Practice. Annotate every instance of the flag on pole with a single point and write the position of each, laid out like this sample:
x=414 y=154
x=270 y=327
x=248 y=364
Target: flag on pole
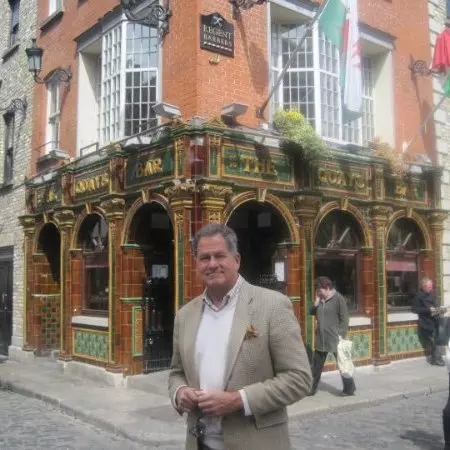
x=441 y=60
x=446 y=86
x=339 y=23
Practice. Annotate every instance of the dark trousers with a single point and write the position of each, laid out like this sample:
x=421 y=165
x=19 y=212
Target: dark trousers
x=201 y=445
x=446 y=420
x=427 y=339
x=317 y=367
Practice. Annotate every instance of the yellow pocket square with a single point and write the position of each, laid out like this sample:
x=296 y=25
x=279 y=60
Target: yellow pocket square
x=251 y=332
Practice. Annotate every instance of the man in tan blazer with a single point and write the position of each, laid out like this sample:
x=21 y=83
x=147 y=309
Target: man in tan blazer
x=238 y=356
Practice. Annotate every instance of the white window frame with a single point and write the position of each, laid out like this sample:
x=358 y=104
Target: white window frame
x=367 y=121
x=53 y=115
x=111 y=111
x=54 y=6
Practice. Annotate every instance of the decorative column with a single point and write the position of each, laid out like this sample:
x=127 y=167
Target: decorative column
x=306 y=208
x=213 y=198
x=114 y=211
x=436 y=220
x=181 y=202
x=380 y=215
x=66 y=221
x=29 y=227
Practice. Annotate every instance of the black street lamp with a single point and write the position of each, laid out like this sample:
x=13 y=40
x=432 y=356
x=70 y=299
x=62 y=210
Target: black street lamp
x=244 y=4
x=149 y=14
x=34 y=55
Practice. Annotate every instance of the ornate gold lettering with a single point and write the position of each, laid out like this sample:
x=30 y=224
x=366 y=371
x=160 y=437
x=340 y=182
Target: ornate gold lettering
x=92 y=184
x=338 y=178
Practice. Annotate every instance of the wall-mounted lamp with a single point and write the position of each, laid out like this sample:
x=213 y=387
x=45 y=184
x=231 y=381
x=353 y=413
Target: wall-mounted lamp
x=149 y=14
x=244 y=4
x=167 y=110
x=16 y=104
x=233 y=110
x=34 y=55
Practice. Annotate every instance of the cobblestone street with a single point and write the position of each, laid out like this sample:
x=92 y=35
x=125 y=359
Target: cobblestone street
x=29 y=424
x=409 y=424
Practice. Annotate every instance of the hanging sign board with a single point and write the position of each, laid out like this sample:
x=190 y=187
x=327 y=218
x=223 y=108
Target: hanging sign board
x=216 y=34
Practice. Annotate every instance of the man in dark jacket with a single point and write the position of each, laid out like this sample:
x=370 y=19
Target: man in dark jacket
x=331 y=312
x=425 y=306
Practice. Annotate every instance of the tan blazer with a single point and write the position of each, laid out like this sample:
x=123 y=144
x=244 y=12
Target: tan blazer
x=272 y=368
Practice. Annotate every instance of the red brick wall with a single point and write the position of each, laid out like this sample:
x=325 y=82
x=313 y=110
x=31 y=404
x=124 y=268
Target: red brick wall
x=201 y=88
x=58 y=42
x=413 y=95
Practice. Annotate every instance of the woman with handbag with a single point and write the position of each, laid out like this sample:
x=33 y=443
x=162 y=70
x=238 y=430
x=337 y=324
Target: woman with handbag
x=330 y=309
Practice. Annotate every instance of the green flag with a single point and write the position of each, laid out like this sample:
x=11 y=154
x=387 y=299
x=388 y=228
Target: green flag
x=446 y=86
x=332 y=21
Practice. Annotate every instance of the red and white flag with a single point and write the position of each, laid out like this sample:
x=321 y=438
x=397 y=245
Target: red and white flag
x=351 y=55
x=339 y=22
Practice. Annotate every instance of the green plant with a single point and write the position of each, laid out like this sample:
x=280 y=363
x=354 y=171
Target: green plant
x=299 y=136
x=395 y=159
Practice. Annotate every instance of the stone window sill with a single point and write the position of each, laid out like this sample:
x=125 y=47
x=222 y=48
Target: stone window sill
x=51 y=19
x=90 y=321
x=359 y=321
x=402 y=317
x=10 y=51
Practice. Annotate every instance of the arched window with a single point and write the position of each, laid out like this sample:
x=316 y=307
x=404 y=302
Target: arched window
x=402 y=262
x=93 y=240
x=337 y=254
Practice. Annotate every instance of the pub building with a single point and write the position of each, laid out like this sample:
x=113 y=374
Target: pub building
x=108 y=260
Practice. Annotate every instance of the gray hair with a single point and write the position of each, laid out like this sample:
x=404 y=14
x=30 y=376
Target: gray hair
x=213 y=229
x=425 y=280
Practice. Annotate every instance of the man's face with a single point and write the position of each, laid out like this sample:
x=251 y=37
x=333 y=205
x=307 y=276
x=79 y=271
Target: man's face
x=217 y=266
x=323 y=293
x=427 y=287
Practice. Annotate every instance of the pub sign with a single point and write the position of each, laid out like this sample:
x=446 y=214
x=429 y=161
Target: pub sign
x=216 y=34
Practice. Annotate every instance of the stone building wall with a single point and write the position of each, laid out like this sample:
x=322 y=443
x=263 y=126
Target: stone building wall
x=17 y=82
x=437 y=18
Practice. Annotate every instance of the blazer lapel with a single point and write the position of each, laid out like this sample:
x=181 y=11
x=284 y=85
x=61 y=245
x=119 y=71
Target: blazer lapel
x=241 y=321
x=190 y=336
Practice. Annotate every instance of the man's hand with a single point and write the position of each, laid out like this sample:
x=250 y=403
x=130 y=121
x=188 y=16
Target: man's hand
x=187 y=398
x=219 y=403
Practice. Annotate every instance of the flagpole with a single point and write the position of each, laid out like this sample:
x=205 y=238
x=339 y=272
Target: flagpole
x=424 y=123
x=261 y=109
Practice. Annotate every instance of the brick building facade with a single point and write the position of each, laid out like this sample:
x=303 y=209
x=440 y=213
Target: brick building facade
x=438 y=16
x=108 y=228
x=17 y=21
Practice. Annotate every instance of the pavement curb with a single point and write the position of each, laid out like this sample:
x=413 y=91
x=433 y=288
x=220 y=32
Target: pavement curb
x=366 y=403
x=84 y=416
x=89 y=418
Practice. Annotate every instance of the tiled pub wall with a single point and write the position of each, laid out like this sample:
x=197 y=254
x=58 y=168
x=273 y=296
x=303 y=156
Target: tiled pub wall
x=44 y=306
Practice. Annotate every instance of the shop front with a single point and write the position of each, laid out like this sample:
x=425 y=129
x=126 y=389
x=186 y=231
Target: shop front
x=107 y=241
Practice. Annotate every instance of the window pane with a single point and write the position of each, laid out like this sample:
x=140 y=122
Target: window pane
x=338 y=230
x=342 y=271
x=405 y=235
x=111 y=59
x=401 y=287
x=97 y=288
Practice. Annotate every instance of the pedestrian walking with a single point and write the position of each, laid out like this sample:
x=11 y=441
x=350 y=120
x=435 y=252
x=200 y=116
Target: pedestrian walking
x=330 y=309
x=238 y=356
x=426 y=307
